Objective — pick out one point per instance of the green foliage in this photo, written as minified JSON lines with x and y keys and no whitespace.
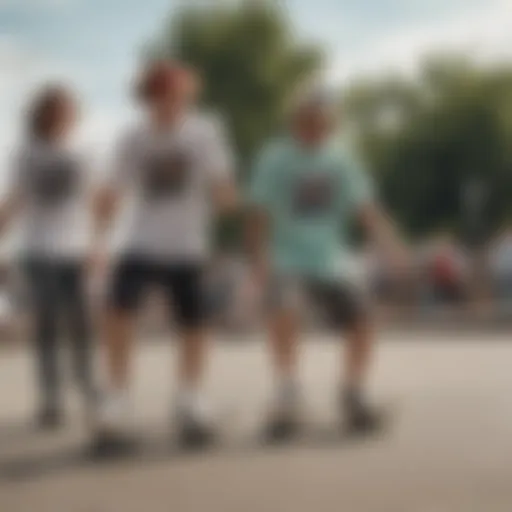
{"x":428,"y":138}
{"x":250,"y":61}
{"x":425,"y":138}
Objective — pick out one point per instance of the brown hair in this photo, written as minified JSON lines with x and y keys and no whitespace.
{"x":45,"y":110}
{"x":160,"y":77}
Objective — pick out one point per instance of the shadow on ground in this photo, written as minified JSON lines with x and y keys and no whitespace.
{"x":158,"y":450}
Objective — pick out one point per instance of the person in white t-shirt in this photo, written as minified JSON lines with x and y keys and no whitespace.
{"x":49,"y":192}
{"x":174,"y":165}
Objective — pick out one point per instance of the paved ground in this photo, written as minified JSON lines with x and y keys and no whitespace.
{"x":449,"y":450}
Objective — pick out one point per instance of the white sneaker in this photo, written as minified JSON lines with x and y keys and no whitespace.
{"x":114,"y":414}
{"x":288,"y":400}
{"x":195,"y":420}
{"x":193,"y":407}
{"x":285,"y":416}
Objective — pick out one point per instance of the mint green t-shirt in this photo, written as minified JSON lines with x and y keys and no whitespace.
{"x":310,"y":196}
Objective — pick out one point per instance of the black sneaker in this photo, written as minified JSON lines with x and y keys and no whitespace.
{"x":284,"y":424}
{"x":107,"y":445}
{"x":50,"y":417}
{"x":195,"y":435}
{"x":365,"y":420}
{"x":360,"y":418}
{"x":92,"y":401}
{"x":113,"y":434}
{"x":282,"y":428}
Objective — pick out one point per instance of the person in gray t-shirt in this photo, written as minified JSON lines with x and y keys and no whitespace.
{"x":49,"y":194}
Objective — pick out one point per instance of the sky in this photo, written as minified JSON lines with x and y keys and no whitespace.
{"x":94,"y":45}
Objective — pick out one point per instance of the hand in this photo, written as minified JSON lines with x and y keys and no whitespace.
{"x":401,"y":261}
{"x":260,"y":272}
{"x":97,"y":262}
{"x":251,"y":291}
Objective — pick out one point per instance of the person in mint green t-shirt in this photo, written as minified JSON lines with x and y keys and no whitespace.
{"x":306,"y":192}
{"x":312,"y":196}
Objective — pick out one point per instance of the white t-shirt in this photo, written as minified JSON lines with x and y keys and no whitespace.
{"x":168,"y":177}
{"x":53,"y":185}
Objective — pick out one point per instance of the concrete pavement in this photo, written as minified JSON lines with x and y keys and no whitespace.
{"x":449,"y":450}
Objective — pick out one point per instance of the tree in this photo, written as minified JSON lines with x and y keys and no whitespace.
{"x":451,"y":127}
{"x":250,"y":63}
{"x":249,"y":59}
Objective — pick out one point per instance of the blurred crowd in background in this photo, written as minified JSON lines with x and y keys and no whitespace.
{"x":445,"y":278}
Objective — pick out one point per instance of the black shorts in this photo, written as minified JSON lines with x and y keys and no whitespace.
{"x":182,"y":284}
{"x":341,"y":305}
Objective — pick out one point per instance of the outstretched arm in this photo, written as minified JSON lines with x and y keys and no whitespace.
{"x":373,"y":218}
{"x":261,"y":194}
{"x":256,"y":235}
{"x":9,"y":207}
{"x":383,"y":232}
{"x":105,"y":206}
{"x":225,"y":196}
{"x":107,"y":197}
{"x":220,"y":164}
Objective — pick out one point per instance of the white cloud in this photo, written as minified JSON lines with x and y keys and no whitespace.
{"x":483,"y":32}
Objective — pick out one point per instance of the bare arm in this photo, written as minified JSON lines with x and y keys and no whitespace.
{"x":107,"y":198}
{"x":225,"y":196}
{"x":12,"y":202}
{"x":9,"y":208}
{"x":220,"y":165}
{"x":105,"y":204}
{"x":257,"y":230}
{"x":382,"y":231}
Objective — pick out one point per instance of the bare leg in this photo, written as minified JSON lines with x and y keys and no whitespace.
{"x":113,"y":423}
{"x":194,"y":416}
{"x":118,"y":344}
{"x":283,"y":344}
{"x":360,"y":417}
{"x":358,"y":353}
{"x":284,"y":351}
{"x":193,"y":356}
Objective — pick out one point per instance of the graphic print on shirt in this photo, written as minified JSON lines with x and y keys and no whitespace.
{"x":313,"y":194}
{"x":55,"y":182}
{"x":166,"y":175}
